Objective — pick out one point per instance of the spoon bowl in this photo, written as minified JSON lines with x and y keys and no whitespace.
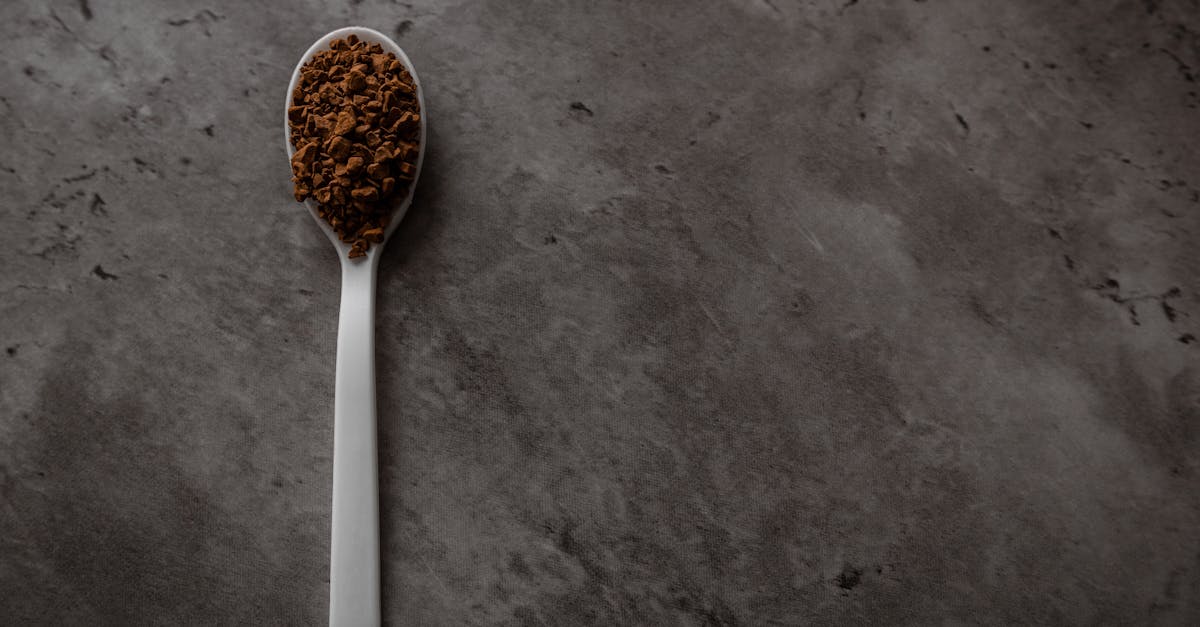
{"x":402,"y":204}
{"x":354,"y":595}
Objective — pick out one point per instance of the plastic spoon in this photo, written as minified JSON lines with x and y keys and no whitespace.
{"x":354,"y":549}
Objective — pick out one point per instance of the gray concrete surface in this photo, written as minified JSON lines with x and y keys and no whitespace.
{"x":807,"y":313}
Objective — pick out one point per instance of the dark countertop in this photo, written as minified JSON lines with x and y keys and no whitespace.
{"x":713,"y":313}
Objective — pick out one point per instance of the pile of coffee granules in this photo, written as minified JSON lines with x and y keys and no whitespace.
{"x":355,"y":125}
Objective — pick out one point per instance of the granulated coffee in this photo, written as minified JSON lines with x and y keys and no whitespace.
{"x":355,"y":125}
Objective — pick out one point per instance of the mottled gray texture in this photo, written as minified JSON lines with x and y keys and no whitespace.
{"x":807,"y":312}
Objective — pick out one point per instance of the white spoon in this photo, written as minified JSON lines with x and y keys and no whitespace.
{"x":354,"y":549}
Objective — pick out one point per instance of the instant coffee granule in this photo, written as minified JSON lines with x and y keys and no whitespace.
{"x":355,"y":125}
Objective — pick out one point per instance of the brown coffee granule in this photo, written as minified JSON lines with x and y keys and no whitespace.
{"x":355,"y":125}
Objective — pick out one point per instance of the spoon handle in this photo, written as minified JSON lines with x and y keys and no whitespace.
{"x":354,"y":547}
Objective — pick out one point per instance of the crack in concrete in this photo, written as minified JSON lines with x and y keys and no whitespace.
{"x":103,"y":52}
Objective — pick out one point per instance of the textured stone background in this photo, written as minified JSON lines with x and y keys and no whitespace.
{"x":806,"y":312}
